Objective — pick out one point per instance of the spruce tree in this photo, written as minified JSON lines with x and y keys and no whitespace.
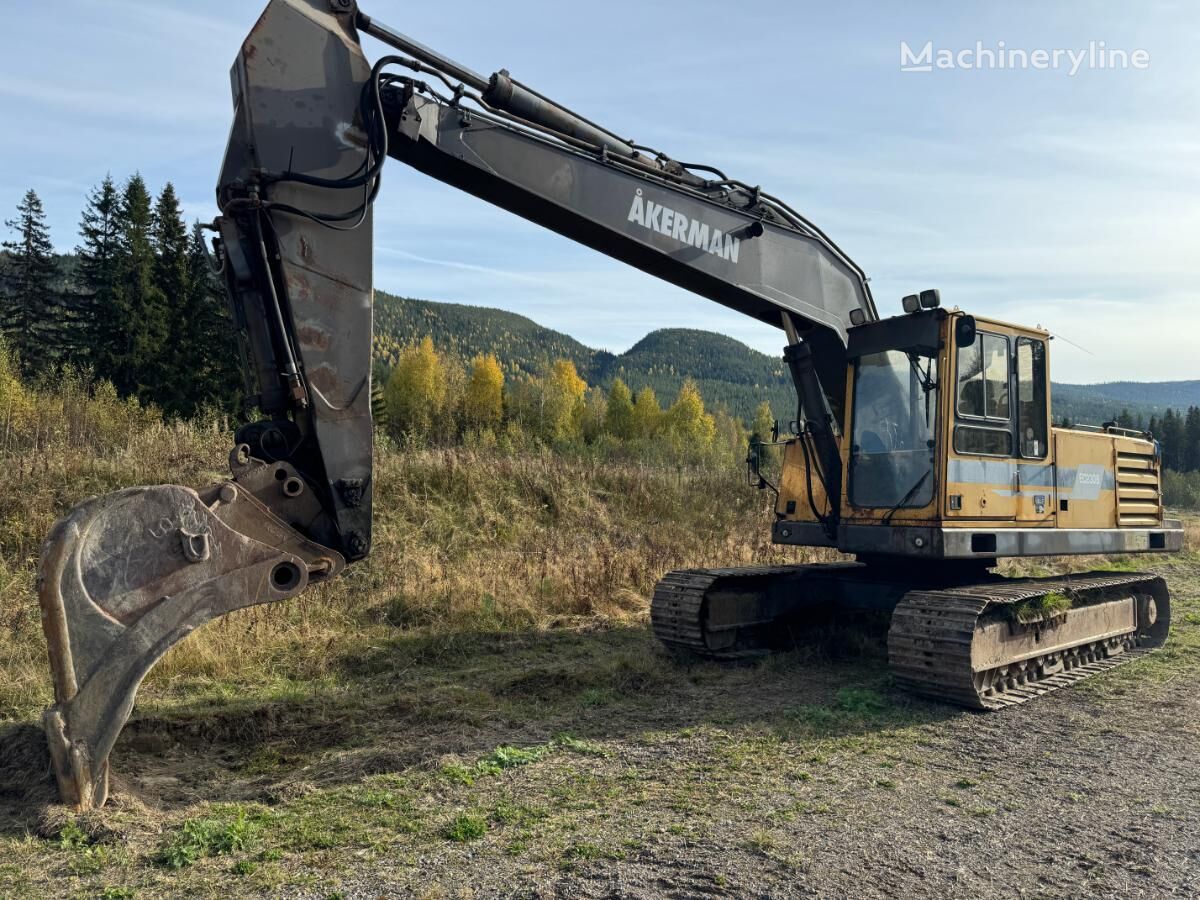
{"x":179,"y":390}
{"x":92,"y":338}
{"x":1173,"y":441}
{"x":27,"y":315}
{"x":210,"y":349}
{"x":1191,"y":437}
{"x":141,"y":313}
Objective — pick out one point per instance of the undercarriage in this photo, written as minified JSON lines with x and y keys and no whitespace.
{"x":960,"y":635}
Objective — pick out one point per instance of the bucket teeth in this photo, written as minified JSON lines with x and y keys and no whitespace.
{"x":125,"y":577}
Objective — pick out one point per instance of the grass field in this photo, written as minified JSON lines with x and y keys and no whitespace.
{"x":481,"y":710}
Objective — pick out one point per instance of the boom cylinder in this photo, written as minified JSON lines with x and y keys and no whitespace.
{"x":511,"y":96}
{"x":501,"y":91}
{"x":405,"y":44}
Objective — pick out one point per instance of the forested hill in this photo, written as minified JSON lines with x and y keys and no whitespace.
{"x":139,"y":307}
{"x":1100,"y":402}
{"x":727,"y":371}
{"x":519,"y":343}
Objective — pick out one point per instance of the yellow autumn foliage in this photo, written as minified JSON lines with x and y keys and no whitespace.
{"x":687,"y":420}
{"x":647,"y":414}
{"x":483,"y":402}
{"x":415,"y":396}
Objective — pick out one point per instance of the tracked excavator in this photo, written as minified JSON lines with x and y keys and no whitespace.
{"x":922,"y":446}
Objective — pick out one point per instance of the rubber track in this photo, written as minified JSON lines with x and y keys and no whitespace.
{"x":929,"y":644}
{"x":677,"y":610}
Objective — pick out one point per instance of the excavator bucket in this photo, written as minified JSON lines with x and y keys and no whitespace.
{"x":126,"y":576}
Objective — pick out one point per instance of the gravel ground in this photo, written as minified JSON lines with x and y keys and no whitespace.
{"x":1074,"y":796}
{"x":792,"y":778}
{"x":1092,"y":791}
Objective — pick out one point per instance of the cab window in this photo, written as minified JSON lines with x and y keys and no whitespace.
{"x":892,"y":460}
{"x":1031,"y":398}
{"x":982,"y":397}
{"x":983,"y":378}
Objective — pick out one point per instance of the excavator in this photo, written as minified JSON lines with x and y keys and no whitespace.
{"x":922,"y":450}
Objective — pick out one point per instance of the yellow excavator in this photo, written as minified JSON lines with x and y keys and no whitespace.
{"x":922,"y":445}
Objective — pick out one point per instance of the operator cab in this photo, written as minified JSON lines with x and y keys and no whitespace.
{"x":970,"y":408}
{"x":894,"y":390}
{"x":949,"y":426}
{"x":948,"y":452}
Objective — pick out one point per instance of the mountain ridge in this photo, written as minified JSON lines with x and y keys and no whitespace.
{"x":727,"y":371}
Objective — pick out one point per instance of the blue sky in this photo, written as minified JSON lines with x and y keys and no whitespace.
{"x":1072,"y":202}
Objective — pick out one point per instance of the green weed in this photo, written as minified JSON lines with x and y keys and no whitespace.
{"x":71,"y":836}
{"x":465,"y":827}
{"x":506,"y":812}
{"x":200,"y":838}
{"x":861,"y":701}
{"x":91,"y":860}
{"x":760,"y":842}
{"x":586,"y":851}
{"x":583,"y":748}
{"x":1039,"y":609}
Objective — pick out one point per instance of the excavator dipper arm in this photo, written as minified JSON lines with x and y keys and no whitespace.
{"x":125,"y":577}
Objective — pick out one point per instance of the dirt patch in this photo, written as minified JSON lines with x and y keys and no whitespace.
{"x":26,"y":776}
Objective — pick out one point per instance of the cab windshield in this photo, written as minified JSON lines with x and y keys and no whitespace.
{"x":892,"y":442}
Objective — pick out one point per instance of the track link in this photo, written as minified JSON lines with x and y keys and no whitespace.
{"x":933,"y":632}
{"x":680,"y":606}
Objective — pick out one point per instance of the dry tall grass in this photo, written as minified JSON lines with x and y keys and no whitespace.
{"x":465,"y":540}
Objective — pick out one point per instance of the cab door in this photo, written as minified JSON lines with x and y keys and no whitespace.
{"x":1037,"y":487}
{"x":982,"y":463}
